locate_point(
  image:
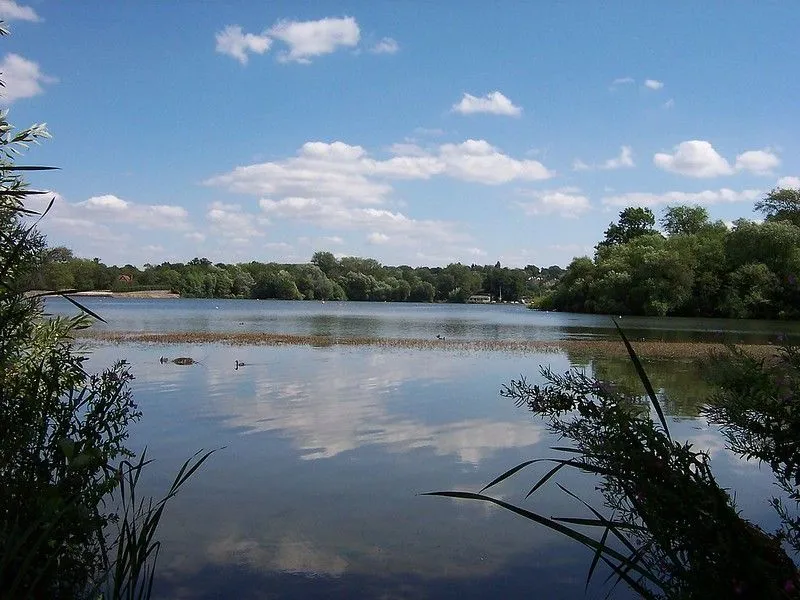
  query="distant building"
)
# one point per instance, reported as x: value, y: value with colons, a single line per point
x: 479, y: 299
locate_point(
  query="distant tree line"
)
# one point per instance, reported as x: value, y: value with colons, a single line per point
x: 693, y: 267
x: 324, y: 278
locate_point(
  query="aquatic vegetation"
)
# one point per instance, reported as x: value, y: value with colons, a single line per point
x: 650, y: 349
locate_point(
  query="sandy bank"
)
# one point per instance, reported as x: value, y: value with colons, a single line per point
x: 655, y: 349
x: 160, y: 294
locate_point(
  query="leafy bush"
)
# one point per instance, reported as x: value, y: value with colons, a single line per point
x: 672, y: 532
x: 70, y: 523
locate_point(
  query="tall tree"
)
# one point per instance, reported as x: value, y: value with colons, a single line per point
x: 781, y: 204
x: 633, y: 222
x: 684, y: 219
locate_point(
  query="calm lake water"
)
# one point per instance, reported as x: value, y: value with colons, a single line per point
x: 316, y: 493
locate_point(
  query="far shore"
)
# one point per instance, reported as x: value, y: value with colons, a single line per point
x: 594, y: 348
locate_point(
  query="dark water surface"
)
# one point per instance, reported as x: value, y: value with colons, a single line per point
x: 316, y: 494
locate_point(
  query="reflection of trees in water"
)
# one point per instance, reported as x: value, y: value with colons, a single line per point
x: 679, y: 384
x: 345, y: 326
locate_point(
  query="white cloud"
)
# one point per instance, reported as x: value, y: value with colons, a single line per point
x: 565, y: 202
x: 116, y: 210
x: 106, y: 202
x: 342, y: 171
x: 308, y: 39
x: 234, y: 42
x: 334, y: 213
x: 386, y: 46
x: 377, y: 238
x: 624, y: 160
x: 694, y: 158
x: 11, y: 11
x: 230, y: 221
x: 340, y: 186
x: 493, y: 103
x: 477, y: 160
x: 669, y: 103
x: 107, y: 218
x: 789, y: 182
x: 760, y: 162
x: 22, y: 77
x: 706, y: 197
x: 622, y: 81
x: 653, y: 84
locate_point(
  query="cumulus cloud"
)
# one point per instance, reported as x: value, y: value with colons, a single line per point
x: 338, y: 185
x: 565, y: 202
x: 698, y: 158
x: 789, y: 182
x: 479, y: 161
x: 11, y: 11
x: 234, y: 42
x: 334, y: 213
x: 694, y: 158
x: 494, y: 103
x: 106, y: 223
x: 760, y: 162
x: 706, y: 197
x: 624, y: 160
x: 386, y: 46
x: 230, y: 221
x: 23, y: 78
x: 106, y: 202
x: 653, y: 84
x: 345, y: 171
x: 309, y: 39
x: 114, y: 210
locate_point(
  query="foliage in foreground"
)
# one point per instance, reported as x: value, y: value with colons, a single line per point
x: 71, y: 525
x: 668, y: 530
x: 757, y: 410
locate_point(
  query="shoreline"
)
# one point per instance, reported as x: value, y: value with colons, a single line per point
x: 609, y: 348
x: 156, y: 294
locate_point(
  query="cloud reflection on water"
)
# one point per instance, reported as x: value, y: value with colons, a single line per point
x: 348, y: 404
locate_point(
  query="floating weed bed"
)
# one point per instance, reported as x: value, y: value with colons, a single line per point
x: 649, y: 349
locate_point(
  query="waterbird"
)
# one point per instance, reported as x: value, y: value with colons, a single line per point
x: 439, y: 336
x: 238, y: 364
x: 163, y: 360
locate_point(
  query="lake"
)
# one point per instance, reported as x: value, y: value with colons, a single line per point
x: 316, y: 493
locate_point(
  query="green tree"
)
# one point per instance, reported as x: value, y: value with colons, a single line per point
x: 684, y: 220
x: 781, y: 204
x: 632, y: 223
x: 326, y: 262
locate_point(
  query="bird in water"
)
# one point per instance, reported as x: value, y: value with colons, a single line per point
x: 439, y: 336
x: 238, y: 364
x: 163, y: 360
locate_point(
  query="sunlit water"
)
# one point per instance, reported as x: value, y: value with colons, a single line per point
x: 326, y: 450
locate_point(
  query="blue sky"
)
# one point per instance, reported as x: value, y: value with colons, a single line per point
x: 414, y: 132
